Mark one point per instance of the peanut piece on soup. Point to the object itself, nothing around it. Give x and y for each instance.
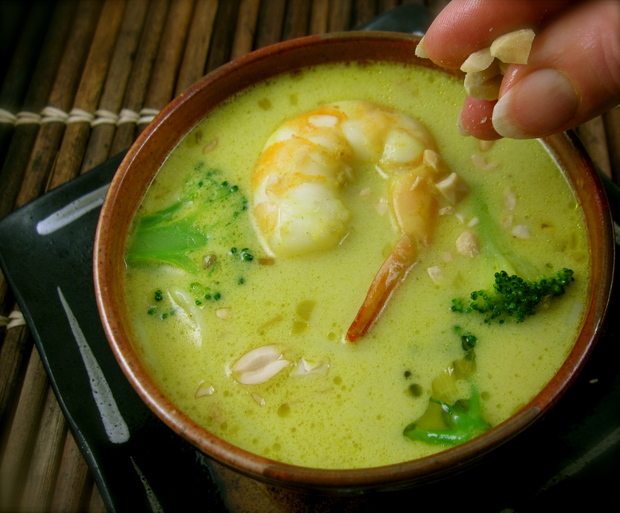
(259, 365)
(452, 188)
(467, 244)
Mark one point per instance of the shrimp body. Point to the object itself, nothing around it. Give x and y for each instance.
(307, 161)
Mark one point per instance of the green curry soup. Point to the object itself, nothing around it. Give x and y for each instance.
(203, 292)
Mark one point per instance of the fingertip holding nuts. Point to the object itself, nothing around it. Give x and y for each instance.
(485, 68)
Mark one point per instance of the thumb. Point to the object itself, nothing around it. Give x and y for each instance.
(572, 75)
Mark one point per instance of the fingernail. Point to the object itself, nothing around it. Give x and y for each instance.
(539, 104)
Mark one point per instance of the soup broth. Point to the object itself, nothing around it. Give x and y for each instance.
(213, 294)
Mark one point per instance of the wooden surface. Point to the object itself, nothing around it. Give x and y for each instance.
(79, 80)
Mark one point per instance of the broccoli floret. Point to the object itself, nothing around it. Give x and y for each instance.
(172, 234)
(468, 340)
(463, 419)
(514, 297)
(160, 307)
(244, 254)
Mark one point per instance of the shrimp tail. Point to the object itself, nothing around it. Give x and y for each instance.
(392, 273)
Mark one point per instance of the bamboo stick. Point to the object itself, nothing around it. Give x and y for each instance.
(197, 45)
(162, 85)
(24, 136)
(74, 484)
(319, 17)
(339, 15)
(13, 14)
(140, 73)
(110, 104)
(75, 139)
(46, 455)
(23, 61)
(223, 35)
(365, 11)
(243, 41)
(96, 504)
(15, 348)
(271, 19)
(16, 458)
(18, 74)
(296, 19)
(61, 97)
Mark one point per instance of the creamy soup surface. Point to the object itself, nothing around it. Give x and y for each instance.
(337, 404)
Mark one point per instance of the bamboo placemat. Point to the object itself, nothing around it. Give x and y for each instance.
(80, 79)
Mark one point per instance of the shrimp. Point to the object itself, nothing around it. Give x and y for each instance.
(306, 162)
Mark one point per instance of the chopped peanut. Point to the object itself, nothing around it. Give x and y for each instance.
(204, 390)
(510, 200)
(259, 365)
(478, 61)
(521, 231)
(431, 158)
(485, 84)
(485, 145)
(435, 273)
(485, 68)
(514, 47)
(223, 313)
(305, 367)
(419, 50)
(467, 244)
(482, 163)
(453, 188)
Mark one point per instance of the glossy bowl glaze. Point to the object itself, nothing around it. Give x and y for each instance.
(160, 137)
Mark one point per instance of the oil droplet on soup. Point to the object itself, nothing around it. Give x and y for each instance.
(328, 403)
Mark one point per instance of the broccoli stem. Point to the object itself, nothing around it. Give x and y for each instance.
(495, 249)
(156, 240)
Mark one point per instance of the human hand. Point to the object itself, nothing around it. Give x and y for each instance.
(572, 74)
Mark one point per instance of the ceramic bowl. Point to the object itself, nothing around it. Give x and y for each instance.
(157, 140)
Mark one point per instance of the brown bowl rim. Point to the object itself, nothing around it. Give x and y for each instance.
(265, 469)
